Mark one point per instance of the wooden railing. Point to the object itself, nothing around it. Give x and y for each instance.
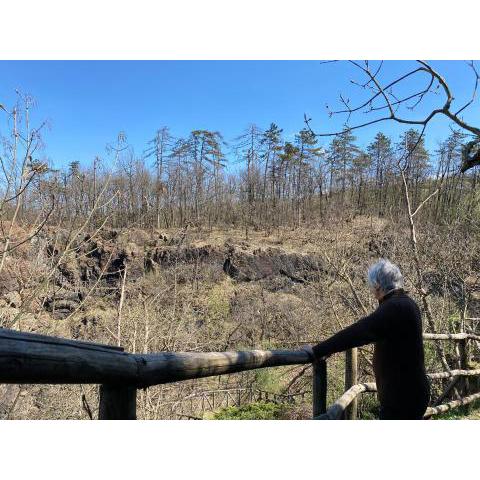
(340, 408)
(196, 404)
(27, 358)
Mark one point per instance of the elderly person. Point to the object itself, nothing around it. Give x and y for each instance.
(398, 360)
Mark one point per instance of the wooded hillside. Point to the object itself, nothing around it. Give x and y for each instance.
(198, 244)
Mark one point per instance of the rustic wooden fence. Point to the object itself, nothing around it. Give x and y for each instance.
(346, 407)
(196, 404)
(27, 358)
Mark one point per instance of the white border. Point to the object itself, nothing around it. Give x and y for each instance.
(247, 29)
(239, 450)
(208, 29)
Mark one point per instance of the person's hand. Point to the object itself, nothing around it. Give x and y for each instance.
(309, 350)
(311, 355)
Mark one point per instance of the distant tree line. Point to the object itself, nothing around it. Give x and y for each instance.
(270, 181)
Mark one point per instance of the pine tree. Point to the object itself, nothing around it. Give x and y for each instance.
(159, 148)
(342, 152)
(382, 155)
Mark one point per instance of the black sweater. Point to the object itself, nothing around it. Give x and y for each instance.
(398, 360)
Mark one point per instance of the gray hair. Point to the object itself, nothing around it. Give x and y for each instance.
(385, 275)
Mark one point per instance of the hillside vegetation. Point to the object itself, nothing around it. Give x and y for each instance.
(171, 250)
(193, 290)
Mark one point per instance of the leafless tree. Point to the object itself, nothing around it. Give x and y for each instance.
(383, 103)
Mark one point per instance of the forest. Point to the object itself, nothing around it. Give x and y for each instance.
(203, 243)
(222, 225)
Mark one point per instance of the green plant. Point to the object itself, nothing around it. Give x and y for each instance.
(368, 408)
(218, 301)
(461, 413)
(252, 411)
(269, 379)
(454, 319)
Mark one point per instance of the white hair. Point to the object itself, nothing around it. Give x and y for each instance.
(385, 275)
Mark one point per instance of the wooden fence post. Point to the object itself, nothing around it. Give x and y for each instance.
(464, 362)
(117, 403)
(319, 387)
(351, 379)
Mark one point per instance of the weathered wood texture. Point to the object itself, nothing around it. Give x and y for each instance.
(451, 385)
(454, 373)
(450, 336)
(351, 379)
(319, 387)
(6, 333)
(117, 403)
(464, 362)
(30, 358)
(451, 405)
(336, 411)
(172, 367)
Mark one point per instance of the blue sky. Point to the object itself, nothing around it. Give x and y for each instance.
(88, 102)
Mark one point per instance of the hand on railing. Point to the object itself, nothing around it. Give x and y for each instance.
(309, 350)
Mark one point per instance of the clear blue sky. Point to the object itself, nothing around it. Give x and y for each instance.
(89, 102)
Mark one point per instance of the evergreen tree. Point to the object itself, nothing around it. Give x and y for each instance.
(342, 152)
(382, 156)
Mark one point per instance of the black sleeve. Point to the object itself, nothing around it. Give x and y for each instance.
(367, 330)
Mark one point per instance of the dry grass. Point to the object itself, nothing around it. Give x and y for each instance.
(197, 307)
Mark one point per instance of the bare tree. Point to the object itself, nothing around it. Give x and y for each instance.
(383, 103)
(19, 170)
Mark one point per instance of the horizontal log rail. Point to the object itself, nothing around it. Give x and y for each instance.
(160, 368)
(337, 409)
(454, 373)
(451, 336)
(426, 336)
(451, 405)
(7, 334)
(29, 358)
